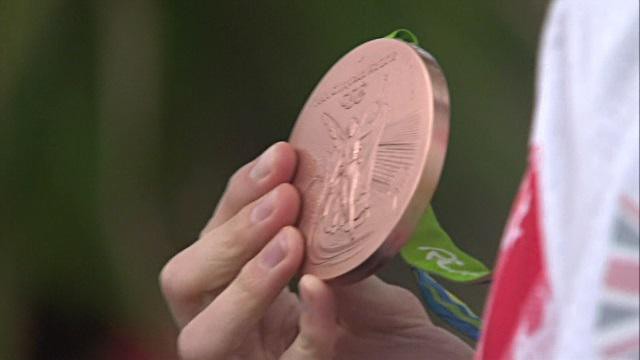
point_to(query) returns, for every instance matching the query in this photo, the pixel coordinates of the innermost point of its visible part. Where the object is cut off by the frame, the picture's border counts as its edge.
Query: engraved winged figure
(345, 200)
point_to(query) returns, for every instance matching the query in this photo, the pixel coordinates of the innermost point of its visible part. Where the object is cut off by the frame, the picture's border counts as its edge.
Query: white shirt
(585, 149)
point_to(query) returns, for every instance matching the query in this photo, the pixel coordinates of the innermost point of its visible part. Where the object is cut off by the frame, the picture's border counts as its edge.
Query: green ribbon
(432, 250)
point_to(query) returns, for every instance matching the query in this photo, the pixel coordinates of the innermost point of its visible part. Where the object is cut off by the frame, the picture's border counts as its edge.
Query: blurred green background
(120, 122)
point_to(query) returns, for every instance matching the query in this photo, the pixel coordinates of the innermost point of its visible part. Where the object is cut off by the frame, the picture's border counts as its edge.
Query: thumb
(318, 322)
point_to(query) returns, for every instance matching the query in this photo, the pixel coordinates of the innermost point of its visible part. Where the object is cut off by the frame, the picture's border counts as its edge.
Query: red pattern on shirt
(521, 287)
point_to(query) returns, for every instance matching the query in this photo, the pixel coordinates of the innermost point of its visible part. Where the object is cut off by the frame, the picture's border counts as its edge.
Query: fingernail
(276, 250)
(263, 209)
(262, 168)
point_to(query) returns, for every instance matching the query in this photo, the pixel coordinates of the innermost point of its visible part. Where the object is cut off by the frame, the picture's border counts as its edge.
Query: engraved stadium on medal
(371, 142)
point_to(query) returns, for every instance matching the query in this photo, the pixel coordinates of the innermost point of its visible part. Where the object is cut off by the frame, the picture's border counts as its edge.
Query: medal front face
(371, 141)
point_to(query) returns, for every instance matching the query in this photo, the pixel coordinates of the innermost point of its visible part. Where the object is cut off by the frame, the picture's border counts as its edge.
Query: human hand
(228, 291)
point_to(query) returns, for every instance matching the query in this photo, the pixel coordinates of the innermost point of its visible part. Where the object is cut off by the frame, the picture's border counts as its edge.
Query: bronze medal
(371, 141)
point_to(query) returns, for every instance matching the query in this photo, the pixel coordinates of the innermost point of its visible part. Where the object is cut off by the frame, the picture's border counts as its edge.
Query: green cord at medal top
(404, 35)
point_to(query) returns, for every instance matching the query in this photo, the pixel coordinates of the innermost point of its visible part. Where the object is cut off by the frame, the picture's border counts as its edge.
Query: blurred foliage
(120, 122)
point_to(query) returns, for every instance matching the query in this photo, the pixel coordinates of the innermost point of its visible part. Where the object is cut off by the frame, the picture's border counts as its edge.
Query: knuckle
(234, 179)
(174, 282)
(231, 193)
(169, 281)
(248, 282)
(230, 237)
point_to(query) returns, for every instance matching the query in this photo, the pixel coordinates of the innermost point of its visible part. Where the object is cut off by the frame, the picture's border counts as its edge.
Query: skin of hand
(228, 291)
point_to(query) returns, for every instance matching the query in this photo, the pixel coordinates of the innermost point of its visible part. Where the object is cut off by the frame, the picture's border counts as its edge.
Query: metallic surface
(371, 142)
